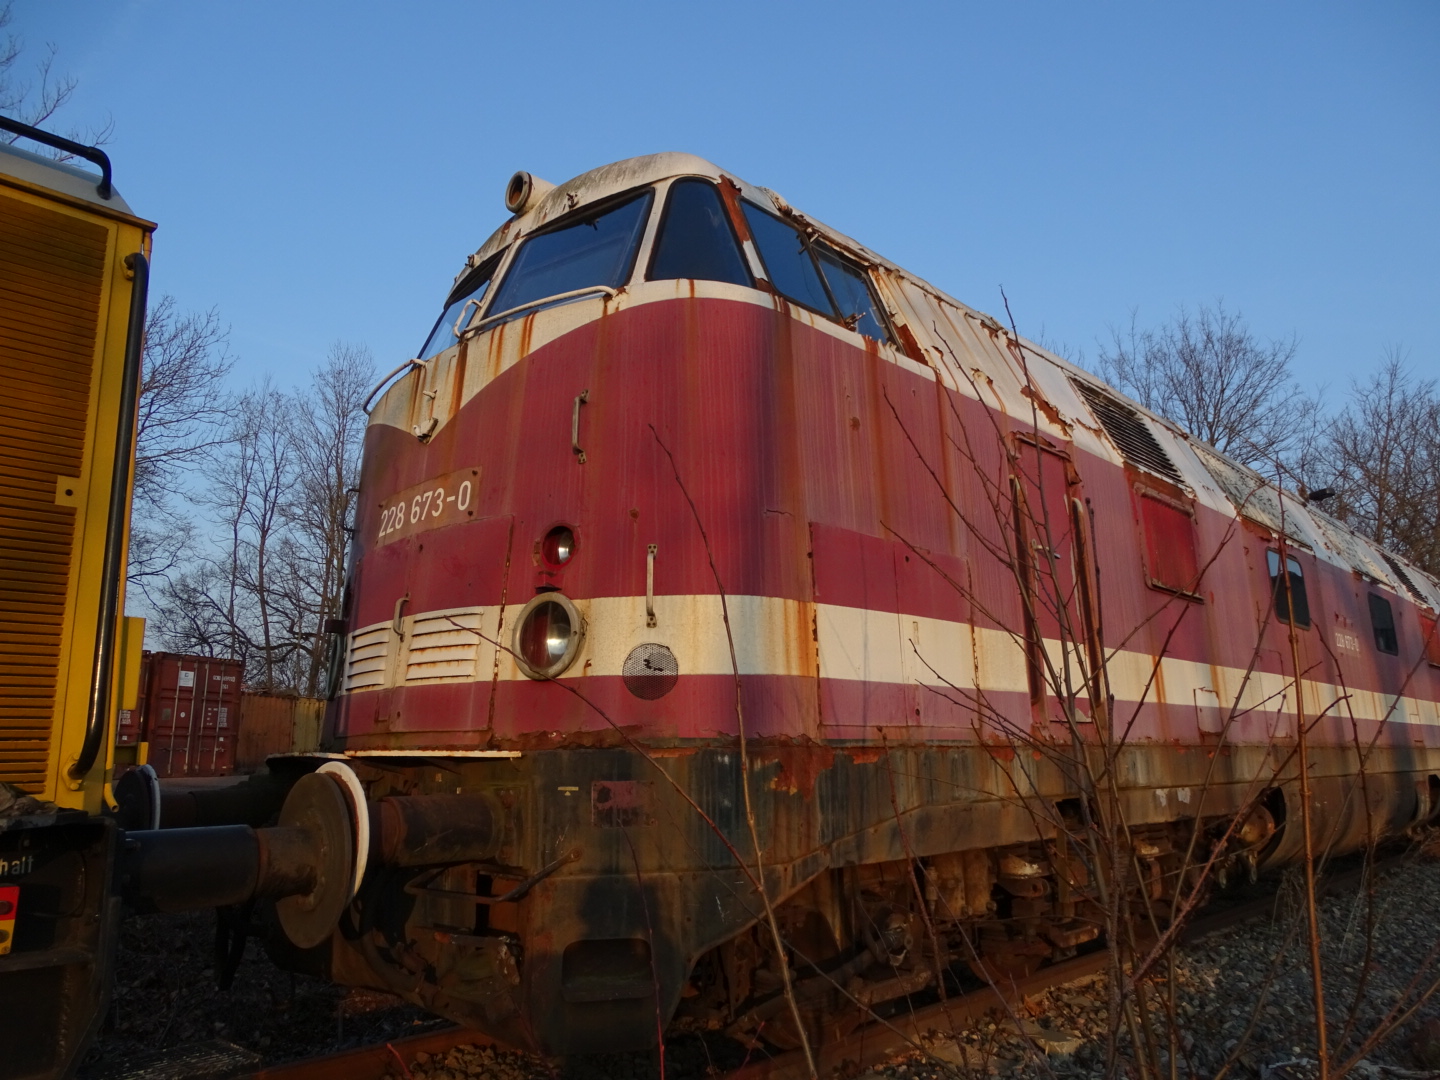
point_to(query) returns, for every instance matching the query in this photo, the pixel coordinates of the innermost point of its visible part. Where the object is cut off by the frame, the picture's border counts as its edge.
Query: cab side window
(853, 298)
(1289, 590)
(696, 239)
(464, 300)
(814, 275)
(1382, 622)
(786, 256)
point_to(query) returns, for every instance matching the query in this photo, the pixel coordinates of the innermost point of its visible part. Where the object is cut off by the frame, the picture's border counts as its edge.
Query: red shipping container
(128, 729)
(189, 713)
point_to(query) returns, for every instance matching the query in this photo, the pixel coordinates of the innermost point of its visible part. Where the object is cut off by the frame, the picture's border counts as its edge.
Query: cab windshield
(595, 250)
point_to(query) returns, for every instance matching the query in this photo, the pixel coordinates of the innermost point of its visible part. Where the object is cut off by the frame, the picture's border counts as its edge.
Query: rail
(544, 302)
(70, 146)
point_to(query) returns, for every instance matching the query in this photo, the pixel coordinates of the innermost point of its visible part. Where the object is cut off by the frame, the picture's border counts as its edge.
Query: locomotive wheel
(820, 1028)
(1009, 964)
(318, 805)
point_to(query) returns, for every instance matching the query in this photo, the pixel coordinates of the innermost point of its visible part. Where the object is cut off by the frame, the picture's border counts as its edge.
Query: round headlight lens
(558, 545)
(548, 635)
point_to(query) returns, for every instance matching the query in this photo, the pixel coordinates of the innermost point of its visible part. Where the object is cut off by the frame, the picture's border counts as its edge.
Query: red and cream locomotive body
(678, 458)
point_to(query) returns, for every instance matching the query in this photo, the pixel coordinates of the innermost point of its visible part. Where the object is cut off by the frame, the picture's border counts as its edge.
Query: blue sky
(320, 170)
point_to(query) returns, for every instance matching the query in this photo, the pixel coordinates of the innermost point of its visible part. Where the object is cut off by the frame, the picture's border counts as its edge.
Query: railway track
(375, 1061)
(865, 1047)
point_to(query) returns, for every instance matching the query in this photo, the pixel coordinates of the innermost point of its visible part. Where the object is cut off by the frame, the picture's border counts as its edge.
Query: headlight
(548, 635)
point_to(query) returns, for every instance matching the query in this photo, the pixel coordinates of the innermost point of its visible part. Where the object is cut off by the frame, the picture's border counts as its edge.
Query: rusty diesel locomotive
(708, 562)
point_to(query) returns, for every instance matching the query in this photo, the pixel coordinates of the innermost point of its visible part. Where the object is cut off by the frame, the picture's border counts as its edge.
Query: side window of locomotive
(813, 275)
(858, 309)
(786, 256)
(696, 239)
(466, 299)
(1293, 596)
(1382, 621)
(595, 249)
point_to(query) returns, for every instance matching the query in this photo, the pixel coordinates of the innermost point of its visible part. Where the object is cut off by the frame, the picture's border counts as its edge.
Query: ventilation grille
(651, 671)
(1405, 578)
(444, 645)
(1352, 548)
(51, 269)
(369, 653)
(1129, 432)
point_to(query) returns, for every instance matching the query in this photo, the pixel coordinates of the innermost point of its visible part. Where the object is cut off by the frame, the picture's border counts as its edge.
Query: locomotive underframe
(607, 886)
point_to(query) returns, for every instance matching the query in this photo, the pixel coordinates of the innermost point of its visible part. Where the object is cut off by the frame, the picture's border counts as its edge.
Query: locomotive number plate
(445, 500)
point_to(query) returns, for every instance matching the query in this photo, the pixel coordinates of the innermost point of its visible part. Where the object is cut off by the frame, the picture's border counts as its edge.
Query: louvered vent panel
(444, 645)
(1405, 578)
(369, 654)
(1352, 548)
(1129, 432)
(52, 269)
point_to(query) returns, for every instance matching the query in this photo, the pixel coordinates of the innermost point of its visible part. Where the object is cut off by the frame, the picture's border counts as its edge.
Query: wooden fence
(276, 724)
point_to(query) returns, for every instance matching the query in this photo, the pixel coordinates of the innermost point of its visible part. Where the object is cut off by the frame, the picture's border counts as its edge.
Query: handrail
(558, 297)
(464, 311)
(543, 301)
(112, 569)
(70, 146)
(383, 382)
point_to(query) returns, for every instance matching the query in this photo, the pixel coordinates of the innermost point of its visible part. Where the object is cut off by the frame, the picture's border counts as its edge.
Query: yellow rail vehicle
(74, 272)
(73, 278)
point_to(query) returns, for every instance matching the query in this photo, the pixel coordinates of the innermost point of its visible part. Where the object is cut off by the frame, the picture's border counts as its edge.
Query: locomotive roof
(1307, 524)
(607, 181)
(600, 184)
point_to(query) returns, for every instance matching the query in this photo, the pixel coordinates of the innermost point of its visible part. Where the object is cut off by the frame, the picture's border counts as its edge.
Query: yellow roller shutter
(52, 270)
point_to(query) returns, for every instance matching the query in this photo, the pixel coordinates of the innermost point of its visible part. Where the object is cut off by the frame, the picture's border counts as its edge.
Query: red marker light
(558, 546)
(9, 901)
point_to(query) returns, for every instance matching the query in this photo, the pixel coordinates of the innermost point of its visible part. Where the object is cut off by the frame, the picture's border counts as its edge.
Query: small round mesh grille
(650, 671)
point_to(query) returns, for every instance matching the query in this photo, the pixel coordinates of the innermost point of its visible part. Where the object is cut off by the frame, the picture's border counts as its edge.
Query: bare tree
(251, 491)
(1383, 461)
(35, 101)
(278, 498)
(222, 600)
(328, 428)
(185, 405)
(1214, 377)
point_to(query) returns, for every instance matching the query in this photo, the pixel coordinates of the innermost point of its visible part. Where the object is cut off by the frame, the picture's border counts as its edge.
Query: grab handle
(580, 399)
(406, 366)
(650, 551)
(464, 315)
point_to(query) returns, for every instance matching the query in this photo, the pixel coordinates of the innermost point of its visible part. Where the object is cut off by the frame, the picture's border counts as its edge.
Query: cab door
(1052, 557)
